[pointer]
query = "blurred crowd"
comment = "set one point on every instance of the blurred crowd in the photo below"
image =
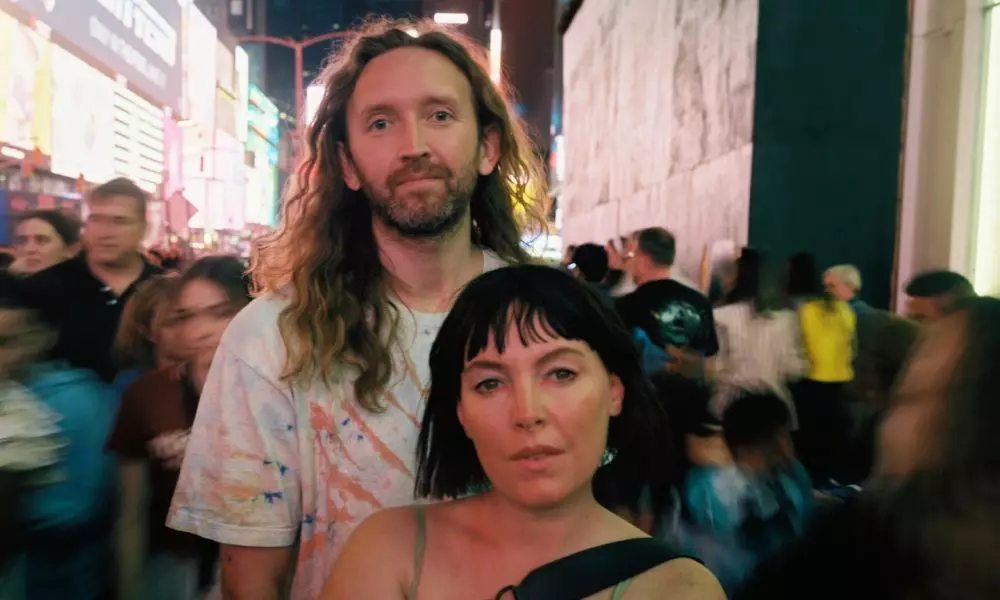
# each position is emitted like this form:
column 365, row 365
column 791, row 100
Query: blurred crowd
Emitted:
column 103, row 356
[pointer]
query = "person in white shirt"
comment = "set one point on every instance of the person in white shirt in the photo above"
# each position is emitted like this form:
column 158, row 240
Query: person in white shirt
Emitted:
column 416, row 180
column 760, row 349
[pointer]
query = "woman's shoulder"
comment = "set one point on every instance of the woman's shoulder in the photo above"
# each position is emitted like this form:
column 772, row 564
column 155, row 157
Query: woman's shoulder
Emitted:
column 678, row 579
column 389, row 526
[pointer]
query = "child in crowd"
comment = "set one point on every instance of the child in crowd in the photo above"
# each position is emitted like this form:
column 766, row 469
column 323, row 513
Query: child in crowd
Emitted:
column 736, row 512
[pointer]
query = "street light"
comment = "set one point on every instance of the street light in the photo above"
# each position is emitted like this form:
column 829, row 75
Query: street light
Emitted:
column 496, row 44
column 445, row 18
column 298, row 46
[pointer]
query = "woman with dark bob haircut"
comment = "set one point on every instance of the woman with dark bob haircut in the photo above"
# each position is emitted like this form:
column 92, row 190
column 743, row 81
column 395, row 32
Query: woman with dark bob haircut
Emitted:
column 536, row 386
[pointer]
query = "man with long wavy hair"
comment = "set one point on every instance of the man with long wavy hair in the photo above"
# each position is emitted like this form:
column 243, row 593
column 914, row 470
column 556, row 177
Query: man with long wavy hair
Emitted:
column 417, row 179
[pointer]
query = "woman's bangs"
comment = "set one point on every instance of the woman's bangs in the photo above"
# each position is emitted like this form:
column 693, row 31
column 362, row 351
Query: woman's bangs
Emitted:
column 533, row 319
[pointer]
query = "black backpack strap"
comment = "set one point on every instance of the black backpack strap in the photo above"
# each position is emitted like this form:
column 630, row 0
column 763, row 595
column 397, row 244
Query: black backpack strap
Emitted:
column 590, row 571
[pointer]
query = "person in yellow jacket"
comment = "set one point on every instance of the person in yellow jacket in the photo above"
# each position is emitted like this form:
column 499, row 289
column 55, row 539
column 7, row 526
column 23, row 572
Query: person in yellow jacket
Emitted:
column 828, row 337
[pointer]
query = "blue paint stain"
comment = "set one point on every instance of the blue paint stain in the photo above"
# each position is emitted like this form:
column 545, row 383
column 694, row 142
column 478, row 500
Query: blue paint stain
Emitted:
column 309, row 520
column 289, row 427
column 360, row 437
column 282, row 468
column 272, row 496
column 345, row 422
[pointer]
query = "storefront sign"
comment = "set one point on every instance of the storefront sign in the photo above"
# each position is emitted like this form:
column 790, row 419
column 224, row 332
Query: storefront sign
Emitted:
column 139, row 39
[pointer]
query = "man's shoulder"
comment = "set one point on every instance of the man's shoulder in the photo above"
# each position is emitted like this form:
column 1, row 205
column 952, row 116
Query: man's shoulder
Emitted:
column 64, row 273
column 253, row 335
column 493, row 261
column 673, row 289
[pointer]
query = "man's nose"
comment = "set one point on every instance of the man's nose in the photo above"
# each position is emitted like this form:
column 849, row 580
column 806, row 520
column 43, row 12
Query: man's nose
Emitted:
column 413, row 142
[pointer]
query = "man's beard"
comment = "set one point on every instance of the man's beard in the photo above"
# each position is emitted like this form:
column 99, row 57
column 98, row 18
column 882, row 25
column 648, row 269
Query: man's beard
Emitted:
column 424, row 213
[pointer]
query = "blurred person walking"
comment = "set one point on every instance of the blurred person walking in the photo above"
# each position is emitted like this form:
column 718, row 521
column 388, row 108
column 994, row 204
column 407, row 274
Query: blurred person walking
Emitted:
column 147, row 334
column 759, row 345
column 150, row 437
column 85, row 295
column 828, row 336
column 928, row 526
column 43, row 238
column 66, row 519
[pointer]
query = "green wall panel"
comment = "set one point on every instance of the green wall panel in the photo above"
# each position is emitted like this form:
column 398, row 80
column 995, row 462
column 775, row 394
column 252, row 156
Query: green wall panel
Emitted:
column 827, row 133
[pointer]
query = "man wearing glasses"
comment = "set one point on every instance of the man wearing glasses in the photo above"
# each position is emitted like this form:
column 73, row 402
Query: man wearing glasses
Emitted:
column 85, row 295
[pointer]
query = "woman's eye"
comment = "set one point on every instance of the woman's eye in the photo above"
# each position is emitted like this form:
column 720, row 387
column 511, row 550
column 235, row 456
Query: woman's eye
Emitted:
column 442, row 116
column 562, row 375
column 378, row 125
column 487, row 385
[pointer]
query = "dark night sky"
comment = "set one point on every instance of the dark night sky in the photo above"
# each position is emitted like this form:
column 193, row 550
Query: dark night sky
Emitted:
column 304, row 18
column 528, row 50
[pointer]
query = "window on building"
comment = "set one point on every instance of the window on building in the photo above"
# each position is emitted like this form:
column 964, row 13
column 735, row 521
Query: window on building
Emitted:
column 236, row 8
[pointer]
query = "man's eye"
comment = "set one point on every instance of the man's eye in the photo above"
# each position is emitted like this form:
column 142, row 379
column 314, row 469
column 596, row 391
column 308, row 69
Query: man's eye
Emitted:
column 442, row 116
column 379, row 125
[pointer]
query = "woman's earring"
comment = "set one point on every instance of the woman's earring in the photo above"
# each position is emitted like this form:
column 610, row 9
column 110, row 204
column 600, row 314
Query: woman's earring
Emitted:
column 607, row 457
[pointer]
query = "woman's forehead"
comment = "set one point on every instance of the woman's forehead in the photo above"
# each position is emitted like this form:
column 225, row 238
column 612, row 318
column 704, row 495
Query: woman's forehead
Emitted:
column 538, row 346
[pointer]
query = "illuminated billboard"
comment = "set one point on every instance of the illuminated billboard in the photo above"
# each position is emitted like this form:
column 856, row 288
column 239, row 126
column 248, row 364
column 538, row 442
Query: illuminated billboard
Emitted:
column 138, row 39
column 263, row 116
column 83, row 119
column 25, row 87
column 199, row 68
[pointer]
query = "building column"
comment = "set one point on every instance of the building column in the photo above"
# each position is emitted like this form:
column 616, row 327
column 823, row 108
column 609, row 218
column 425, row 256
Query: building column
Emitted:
column 942, row 137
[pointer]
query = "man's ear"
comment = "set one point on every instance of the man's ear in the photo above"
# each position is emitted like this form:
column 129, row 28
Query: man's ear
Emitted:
column 351, row 178
column 489, row 150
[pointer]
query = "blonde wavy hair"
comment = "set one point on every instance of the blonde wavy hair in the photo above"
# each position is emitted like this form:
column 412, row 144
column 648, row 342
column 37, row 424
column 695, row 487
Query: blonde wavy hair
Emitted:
column 324, row 250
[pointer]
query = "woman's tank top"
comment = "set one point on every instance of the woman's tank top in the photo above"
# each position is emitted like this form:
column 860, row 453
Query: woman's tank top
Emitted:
column 421, row 546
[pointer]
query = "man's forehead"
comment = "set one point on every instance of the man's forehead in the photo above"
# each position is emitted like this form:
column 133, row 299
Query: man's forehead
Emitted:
column 408, row 76
column 113, row 203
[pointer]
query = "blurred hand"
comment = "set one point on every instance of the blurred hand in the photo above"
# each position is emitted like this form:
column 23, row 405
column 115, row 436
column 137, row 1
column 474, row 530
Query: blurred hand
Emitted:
column 615, row 260
column 685, row 363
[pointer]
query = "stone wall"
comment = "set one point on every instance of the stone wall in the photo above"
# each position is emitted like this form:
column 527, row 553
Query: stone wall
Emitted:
column 659, row 98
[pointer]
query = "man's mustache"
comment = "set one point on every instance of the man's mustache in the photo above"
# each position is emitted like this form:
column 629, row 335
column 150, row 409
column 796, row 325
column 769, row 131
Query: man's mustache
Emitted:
column 423, row 169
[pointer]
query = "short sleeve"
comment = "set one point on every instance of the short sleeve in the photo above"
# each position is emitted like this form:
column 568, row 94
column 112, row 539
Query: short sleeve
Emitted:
column 706, row 341
column 625, row 306
column 722, row 341
column 793, row 360
column 239, row 483
column 127, row 439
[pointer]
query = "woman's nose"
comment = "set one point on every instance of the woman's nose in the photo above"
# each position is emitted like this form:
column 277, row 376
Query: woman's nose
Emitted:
column 528, row 409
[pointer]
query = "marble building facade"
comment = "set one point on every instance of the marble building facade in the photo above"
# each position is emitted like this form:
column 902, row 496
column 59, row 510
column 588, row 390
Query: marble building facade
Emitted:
column 659, row 98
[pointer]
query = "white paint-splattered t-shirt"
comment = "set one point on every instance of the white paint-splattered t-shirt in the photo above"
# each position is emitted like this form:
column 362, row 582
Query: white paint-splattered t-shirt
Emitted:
column 271, row 464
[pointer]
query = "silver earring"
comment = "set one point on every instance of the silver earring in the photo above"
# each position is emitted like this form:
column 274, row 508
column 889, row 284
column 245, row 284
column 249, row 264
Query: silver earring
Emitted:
column 607, row 456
